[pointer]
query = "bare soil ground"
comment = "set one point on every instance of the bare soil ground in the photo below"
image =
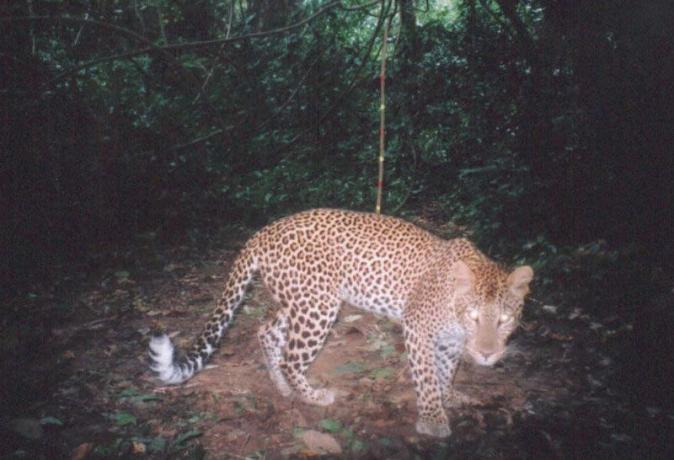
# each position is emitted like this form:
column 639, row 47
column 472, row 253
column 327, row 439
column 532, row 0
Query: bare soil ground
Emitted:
column 81, row 387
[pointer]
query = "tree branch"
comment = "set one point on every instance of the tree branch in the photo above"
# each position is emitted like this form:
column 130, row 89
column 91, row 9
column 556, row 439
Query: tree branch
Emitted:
column 278, row 111
column 382, row 17
column 522, row 33
column 494, row 16
column 196, row 44
column 129, row 34
column 164, row 49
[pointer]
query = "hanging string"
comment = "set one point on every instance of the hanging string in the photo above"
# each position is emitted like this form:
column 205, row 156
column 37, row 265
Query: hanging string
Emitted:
column 382, row 120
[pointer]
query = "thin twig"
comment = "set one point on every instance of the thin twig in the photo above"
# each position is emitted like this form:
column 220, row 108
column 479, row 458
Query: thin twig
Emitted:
column 164, row 51
column 353, row 83
column 342, row 97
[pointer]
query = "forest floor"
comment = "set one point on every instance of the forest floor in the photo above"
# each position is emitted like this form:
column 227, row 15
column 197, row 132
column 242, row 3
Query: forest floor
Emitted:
column 81, row 386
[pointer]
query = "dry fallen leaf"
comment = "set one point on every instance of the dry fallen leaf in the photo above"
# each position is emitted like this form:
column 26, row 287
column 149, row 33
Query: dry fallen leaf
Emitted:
column 321, row 442
column 68, row 354
column 138, row 447
column 82, row 451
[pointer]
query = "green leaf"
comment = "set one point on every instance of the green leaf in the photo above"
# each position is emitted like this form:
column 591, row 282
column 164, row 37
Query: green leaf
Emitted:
column 385, row 442
column 382, row 373
column 198, row 417
column 50, row 421
column 347, row 433
column 146, row 398
column 156, row 444
column 182, row 438
column 136, row 397
column 484, row 169
column 331, row 425
column 124, row 418
column 128, row 393
column 387, row 350
column 350, row 367
column 358, row 445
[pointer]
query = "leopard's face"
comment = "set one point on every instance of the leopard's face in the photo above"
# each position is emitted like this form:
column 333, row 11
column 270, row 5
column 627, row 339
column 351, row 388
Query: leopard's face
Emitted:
column 490, row 309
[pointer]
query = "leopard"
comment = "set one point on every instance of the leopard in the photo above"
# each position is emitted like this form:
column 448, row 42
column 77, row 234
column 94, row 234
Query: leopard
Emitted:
column 452, row 301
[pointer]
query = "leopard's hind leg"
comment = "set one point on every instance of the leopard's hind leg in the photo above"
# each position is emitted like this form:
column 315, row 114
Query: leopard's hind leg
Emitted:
column 307, row 330
column 273, row 337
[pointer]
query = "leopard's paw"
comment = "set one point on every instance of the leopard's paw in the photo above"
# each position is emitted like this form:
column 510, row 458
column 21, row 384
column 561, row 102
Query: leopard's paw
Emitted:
column 325, row 397
column 322, row 397
column 284, row 389
column 281, row 384
column 438, row 430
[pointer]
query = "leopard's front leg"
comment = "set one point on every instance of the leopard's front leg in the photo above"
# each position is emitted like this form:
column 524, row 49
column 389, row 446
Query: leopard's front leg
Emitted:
column 432, row 418
column 448, row 350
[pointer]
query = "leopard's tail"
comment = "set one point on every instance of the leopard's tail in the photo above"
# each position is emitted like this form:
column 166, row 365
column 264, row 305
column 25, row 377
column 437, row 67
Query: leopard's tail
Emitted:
column 172, row 370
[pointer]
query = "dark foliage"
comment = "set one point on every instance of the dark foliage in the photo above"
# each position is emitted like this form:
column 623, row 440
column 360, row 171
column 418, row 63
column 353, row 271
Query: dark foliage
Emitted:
column 547, row 120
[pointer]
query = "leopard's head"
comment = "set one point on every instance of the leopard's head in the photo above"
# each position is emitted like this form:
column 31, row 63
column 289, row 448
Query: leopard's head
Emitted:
column 489, row 304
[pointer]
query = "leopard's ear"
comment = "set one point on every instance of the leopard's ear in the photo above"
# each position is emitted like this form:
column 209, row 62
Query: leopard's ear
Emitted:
column 519, row 279
column 463, row 277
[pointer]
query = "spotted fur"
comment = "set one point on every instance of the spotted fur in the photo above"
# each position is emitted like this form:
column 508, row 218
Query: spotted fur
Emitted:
column 449, row 297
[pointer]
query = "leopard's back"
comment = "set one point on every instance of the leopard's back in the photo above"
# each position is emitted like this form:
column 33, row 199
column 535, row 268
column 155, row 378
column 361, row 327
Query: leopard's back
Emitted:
column 367, row 260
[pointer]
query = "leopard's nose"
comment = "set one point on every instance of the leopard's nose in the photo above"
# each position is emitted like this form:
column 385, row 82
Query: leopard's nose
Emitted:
column 487, row 354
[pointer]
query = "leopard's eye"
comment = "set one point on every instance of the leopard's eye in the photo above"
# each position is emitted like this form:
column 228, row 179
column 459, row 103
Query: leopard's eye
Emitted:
column 504, row 318
column 474, row 315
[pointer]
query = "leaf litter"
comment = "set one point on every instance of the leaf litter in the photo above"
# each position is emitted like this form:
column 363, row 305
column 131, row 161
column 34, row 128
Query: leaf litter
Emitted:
column 91, row 395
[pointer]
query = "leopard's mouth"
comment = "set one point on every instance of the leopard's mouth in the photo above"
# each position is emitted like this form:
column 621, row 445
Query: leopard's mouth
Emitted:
column 484, row 359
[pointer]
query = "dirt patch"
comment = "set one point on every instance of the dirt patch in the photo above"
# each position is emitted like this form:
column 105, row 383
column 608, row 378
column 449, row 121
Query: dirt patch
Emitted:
column 553, row 396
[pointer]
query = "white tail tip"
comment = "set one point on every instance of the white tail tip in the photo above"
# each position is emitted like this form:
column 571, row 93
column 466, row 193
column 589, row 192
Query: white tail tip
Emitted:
column 162, row 354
